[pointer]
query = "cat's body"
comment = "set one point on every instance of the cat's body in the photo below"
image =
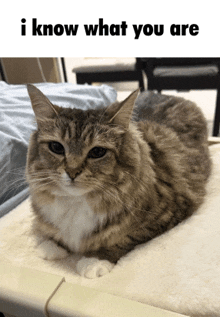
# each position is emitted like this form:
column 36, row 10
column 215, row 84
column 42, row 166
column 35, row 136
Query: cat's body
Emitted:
column 102, row 183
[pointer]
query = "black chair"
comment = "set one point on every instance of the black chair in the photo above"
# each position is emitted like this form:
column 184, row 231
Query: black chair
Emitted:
column 108, row 73
column 184, row 74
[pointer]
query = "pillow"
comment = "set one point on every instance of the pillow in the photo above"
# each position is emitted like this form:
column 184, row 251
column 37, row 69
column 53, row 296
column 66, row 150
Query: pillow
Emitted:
column 17, row 123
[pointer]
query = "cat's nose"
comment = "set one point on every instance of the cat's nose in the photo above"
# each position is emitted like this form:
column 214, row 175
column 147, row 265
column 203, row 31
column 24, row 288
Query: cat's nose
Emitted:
column 73, row 172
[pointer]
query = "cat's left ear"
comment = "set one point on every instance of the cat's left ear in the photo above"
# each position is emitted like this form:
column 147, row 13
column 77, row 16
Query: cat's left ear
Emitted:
column 41, row 105
column 123, row 114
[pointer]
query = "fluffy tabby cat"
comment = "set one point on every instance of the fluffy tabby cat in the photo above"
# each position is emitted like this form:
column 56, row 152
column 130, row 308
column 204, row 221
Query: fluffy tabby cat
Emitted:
column 104, row 180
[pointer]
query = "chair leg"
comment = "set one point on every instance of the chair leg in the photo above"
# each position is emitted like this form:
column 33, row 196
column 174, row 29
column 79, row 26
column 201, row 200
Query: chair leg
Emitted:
column 141, row 81
column 217, row 116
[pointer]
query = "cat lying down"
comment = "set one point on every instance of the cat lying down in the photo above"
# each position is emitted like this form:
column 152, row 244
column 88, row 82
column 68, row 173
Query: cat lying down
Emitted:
column 105, row 180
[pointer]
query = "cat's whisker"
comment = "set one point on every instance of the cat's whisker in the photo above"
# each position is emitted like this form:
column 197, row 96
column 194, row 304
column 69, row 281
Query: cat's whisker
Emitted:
column 39, row 184
column 14, row 181
column 17, row 169
column 138, row 180
column 16, row 173
column 115, row 196
column 131, row 207
column 12, row 188
column 40, row 178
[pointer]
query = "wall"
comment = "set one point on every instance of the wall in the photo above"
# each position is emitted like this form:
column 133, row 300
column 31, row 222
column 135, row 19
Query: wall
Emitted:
column 31, row 70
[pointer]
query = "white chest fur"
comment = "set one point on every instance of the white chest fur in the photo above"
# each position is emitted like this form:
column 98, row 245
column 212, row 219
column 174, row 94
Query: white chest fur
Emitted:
column 73, row 217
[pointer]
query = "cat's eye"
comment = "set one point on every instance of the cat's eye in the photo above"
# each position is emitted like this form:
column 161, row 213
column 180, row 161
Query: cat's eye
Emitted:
column 97, row 152
column 56, row 147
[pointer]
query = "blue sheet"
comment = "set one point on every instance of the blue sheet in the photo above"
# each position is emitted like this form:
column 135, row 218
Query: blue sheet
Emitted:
column 17, row 123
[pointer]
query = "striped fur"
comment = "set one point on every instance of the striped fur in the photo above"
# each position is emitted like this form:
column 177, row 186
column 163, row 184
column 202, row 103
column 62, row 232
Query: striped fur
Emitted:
column 151, row 177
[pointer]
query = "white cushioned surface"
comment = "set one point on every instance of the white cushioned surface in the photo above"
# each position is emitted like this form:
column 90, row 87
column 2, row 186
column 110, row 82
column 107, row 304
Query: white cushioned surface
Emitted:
column 178, row 271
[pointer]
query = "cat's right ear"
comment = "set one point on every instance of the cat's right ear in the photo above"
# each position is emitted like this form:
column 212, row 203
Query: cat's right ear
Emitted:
column 41, row 105
column 121, row 112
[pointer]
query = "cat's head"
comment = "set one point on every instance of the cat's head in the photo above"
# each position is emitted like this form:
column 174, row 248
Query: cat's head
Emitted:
column 75, row 151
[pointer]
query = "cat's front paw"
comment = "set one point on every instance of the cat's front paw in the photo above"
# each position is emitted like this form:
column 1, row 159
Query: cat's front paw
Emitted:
column 93, row 267
column 49, row 250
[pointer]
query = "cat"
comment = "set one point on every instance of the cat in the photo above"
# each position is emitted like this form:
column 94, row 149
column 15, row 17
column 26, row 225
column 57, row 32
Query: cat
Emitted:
column 104, row 180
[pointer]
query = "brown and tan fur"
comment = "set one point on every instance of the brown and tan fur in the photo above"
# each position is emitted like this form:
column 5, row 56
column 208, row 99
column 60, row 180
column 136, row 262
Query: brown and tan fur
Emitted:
column 151, row 177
